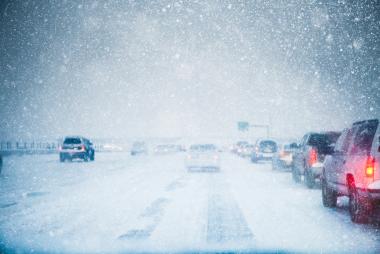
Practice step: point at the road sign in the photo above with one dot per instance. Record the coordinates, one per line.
(243, 126)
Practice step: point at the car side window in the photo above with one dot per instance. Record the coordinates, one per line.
(362, 140)
(348, 141)
(303, 141)
(339, 146)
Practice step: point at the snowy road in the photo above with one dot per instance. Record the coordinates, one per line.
(152, 203)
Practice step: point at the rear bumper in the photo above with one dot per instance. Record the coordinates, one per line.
(72, 154)
(286, 161)
(370, 192)
(262, 156)
(202, 164)
(316, 171)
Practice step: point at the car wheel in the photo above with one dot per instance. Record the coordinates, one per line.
(329, 196)
(359, 208)
(309, 179)
(92, 157)
(296, 175)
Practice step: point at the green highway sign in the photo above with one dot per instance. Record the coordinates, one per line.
(243, 126)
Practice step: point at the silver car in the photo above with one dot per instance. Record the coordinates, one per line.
(203, 157)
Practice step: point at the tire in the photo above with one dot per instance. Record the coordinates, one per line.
(92, 157)
(329, 196)
(309, 179)
(296, 174)
(61, 158)
(358, 207)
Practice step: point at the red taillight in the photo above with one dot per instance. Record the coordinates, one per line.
(313, 157)
(82, 148)
(370, 166)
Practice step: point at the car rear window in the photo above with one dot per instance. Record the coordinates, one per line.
(268, 145)
(324, 141)
(72, 141)
(363, 138)
(202, 148)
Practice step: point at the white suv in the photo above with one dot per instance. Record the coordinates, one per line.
(353, 170)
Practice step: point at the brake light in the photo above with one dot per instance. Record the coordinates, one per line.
(83, 148)
(313, 157)
(370, 166)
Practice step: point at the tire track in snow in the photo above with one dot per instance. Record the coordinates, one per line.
(225, 221)
(155, 212)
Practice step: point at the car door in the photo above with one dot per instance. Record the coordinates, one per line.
(338, 159)
(299, 154)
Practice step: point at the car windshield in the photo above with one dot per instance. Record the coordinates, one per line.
(189, 126)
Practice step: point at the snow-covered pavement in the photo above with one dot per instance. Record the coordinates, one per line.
(151, 203)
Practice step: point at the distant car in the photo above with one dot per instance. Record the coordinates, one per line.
(167, 149)
(353, 170)
(237, 148)
(76, 147)
(139, 148)
(283, 158)
(309, 157)
(264, 149)
(246, 150)
(204, 157)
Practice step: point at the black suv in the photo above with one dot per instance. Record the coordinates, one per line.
(353, 170)
(76, 147)
(309, 157)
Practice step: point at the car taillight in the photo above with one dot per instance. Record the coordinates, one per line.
(313, 157)
(82, 148)
(370, 166)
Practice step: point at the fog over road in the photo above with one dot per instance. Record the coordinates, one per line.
(124, 203)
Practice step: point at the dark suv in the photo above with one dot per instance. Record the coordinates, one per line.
(76, 147)
(309, 157)
(353, 170)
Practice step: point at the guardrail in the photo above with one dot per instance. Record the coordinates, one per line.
(45, 147)
(22, 147)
